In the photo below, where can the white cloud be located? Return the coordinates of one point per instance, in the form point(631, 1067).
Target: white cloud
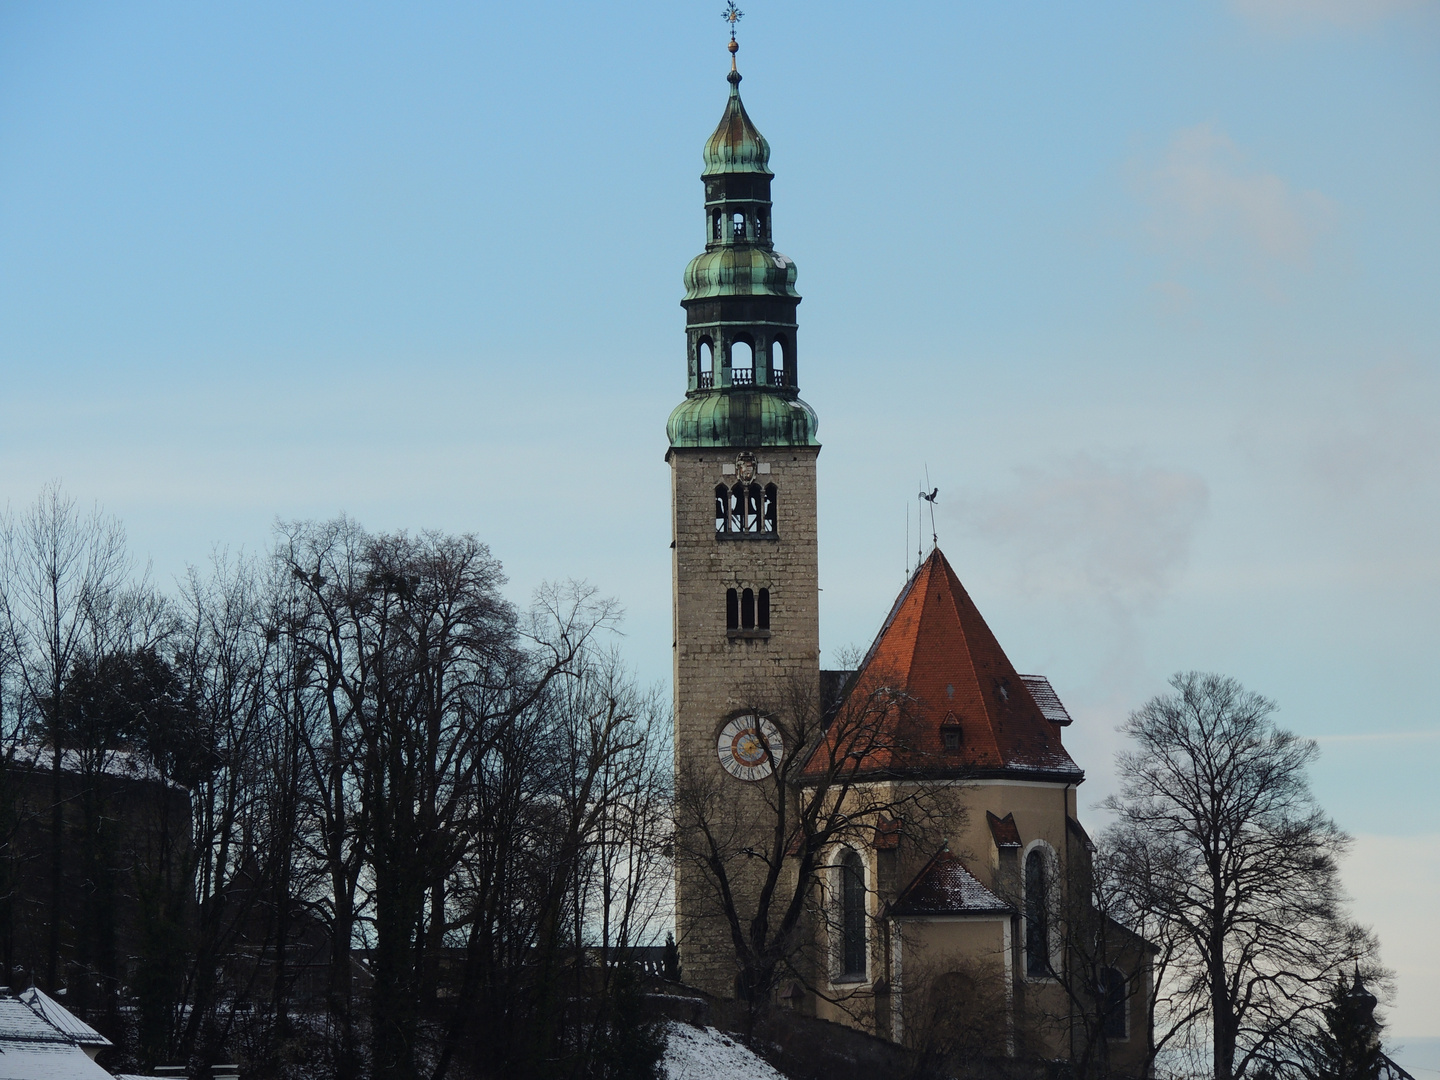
point(1206, 201)
point(1298, 14)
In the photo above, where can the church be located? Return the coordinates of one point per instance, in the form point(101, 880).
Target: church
point(894, 847)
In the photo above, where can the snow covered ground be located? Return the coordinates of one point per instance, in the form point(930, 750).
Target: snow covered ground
point(706, 1054)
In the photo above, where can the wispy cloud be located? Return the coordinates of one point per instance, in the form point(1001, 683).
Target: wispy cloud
point(1205, 200)
point(1091, 528)
point(1357, 455)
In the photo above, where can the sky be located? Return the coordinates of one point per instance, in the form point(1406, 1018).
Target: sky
point(1148, 291)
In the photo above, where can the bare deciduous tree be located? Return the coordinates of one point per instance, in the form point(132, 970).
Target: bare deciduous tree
point(60, 573)
point(1222, 843)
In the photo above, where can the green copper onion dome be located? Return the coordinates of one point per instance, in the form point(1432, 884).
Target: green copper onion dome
point(739, 271)
point(752, 418)
point(737, 145)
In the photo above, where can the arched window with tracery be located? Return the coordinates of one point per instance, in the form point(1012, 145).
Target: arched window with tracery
point(769, 514)
point(852, 916)
point(722, 507)
point(1037, 914)
point(737, 508)
point(747, 609)
point(732, 610)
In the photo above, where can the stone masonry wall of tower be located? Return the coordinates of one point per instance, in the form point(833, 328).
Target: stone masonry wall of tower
point(716, 677)
point(735, 419)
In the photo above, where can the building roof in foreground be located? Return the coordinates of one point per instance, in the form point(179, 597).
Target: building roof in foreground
point(34, 1047)
point(934, 672)
point(62, 1018)
point(945, 887)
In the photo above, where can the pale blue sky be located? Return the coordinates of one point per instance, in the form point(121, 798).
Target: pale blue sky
point(1151, 288)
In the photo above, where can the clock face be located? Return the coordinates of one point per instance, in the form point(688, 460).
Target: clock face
point(750, 747)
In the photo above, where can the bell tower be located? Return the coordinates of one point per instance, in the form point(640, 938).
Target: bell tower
point(742, 459)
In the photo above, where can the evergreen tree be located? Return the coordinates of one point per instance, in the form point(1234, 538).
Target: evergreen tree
point(1347, 1047)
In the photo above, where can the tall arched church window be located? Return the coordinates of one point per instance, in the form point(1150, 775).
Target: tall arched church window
point(852, 916)
point(769, 514)
point(722, 507)
point(747, 609)
point(753, 515)
point(732, 610)
point(1114, 1004)
point(762, 609)
point(1037, 914)
point(737, 508)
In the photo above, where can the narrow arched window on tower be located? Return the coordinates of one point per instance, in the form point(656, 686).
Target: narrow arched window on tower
point(1037, 914)
point(737, 225)
point(762, 610)
point(747, 610)
point(722, 500)
point(770, 514)
point(717, 226)
point(705, 365)
point(732, 610)
point(852, 916)
point(737, 508)
point(778, 375)
point(742, 363)
point(753, 515)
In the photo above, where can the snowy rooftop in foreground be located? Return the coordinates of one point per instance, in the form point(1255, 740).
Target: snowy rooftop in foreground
point(706, 1054)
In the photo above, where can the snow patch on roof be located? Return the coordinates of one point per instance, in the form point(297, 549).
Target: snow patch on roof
point(706, 1054)
point(1048, 701)
point(946, 887)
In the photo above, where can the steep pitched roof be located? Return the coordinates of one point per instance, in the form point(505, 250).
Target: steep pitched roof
point(937, 654)
point(945, 887)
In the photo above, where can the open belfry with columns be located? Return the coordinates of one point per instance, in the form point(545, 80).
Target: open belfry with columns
point(983, 901)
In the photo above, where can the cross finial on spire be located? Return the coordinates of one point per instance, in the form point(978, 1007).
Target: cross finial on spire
point(732, 15)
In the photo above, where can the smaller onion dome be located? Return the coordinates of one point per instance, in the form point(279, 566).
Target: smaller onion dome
point(739, 271)
point(737, 146)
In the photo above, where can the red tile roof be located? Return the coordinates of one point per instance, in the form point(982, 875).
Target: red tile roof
point(937, 652)
point(945, 887)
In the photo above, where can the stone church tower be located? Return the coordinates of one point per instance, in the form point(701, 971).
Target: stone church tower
point(742, 460)
point(904, 925)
